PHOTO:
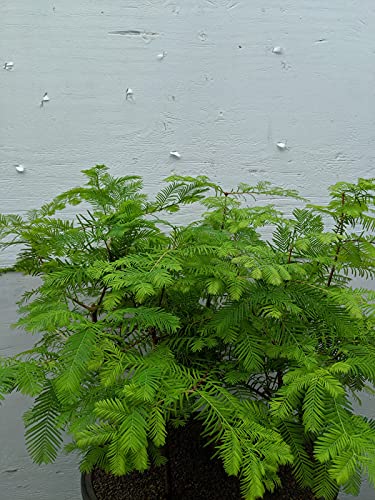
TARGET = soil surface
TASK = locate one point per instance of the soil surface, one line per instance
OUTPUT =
(192, 475)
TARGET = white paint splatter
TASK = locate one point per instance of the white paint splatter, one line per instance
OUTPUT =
(45, 99)
(281, 145)
(161, 56)
(277, 50)
(129, 94)
(9, 65)
(175, 154)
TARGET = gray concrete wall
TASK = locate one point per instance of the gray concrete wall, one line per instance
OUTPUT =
(220, 97)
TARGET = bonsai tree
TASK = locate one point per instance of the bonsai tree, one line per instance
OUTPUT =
(244, 319)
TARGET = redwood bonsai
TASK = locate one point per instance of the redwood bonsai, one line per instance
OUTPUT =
(244, 319)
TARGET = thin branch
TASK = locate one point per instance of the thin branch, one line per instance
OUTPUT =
(160, 259)
(279, 378)
(95, 307)
(78, 302)
(240, 193)
(333, 269)
(265, 394)
(101, 296)
(137, 342)
(198, 384)
(208, 302)
(261, 394)
(162, 295)
(110, 255)
(154, 337)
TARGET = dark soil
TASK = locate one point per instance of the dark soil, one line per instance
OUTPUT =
(191, 475)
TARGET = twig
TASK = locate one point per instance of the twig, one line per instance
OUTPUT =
(78, 302)
(95, 307)
(162, 295)
(198, 384)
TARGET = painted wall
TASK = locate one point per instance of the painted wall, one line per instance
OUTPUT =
(220, 97)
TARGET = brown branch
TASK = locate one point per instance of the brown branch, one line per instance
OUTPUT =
(95, 307)
(208, 302)
(101, 296)
(333, 269)
(162, 295)
(261, 394)
(108, 248)
(137, 342)
(78, 302)
(198, 384)
(279, 378)
(239, 193)
(265, 394)
(290, 254)
(155, 339)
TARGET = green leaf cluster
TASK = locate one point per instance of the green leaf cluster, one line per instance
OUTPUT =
(144, 322)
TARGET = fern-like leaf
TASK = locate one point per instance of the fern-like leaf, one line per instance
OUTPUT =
(43, 433)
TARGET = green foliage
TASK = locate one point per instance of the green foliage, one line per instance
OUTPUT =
(43, 432)
(144, 323)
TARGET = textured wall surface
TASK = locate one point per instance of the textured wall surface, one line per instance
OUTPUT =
(220, 97)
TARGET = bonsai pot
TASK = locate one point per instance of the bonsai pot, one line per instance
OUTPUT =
(190, 474)
(87, 489)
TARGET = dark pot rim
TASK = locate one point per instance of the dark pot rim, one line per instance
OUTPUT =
(87, 489)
